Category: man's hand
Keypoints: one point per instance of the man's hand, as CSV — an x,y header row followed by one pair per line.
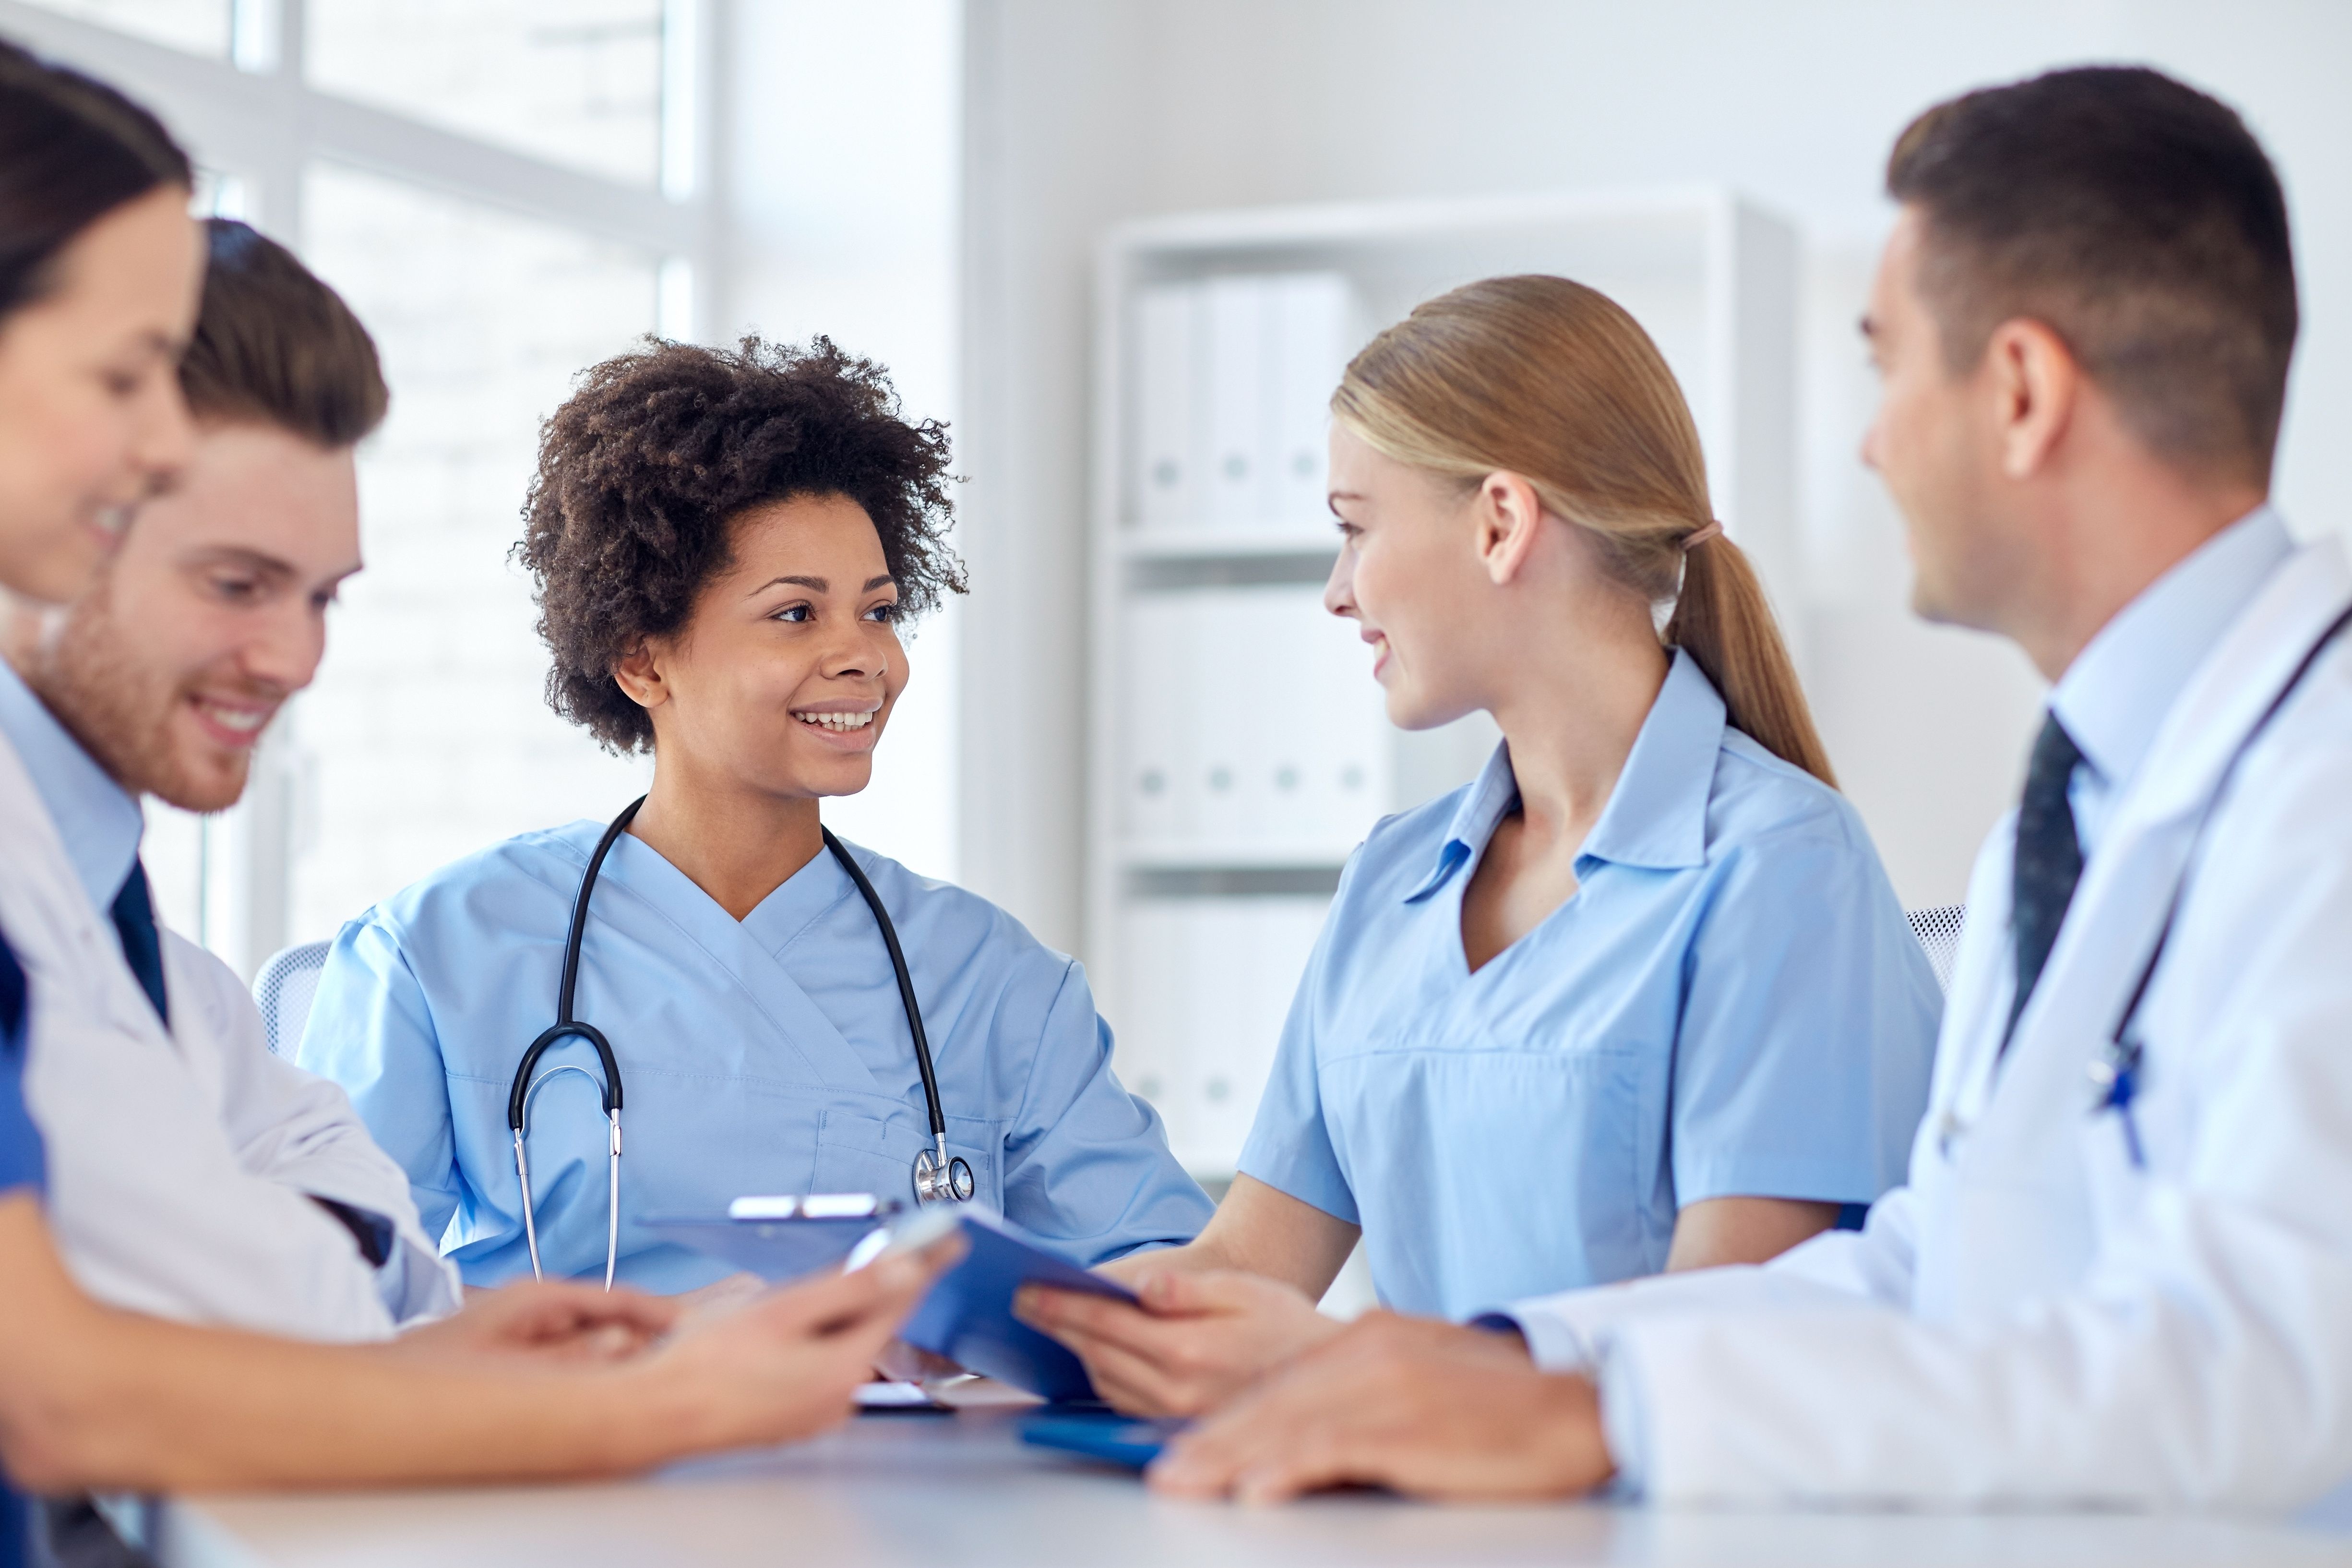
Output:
x,y
1199,1338
553,1320
1419,1407
785,1365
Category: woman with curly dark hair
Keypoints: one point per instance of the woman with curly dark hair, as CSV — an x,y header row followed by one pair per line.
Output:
x,y
724,544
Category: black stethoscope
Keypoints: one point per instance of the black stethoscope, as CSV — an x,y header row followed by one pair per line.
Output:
x,y
939,1177
2115,1071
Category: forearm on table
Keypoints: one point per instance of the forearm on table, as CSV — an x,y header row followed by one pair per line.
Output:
x,y
1258,1230
212,1412
1714,1232
100,1398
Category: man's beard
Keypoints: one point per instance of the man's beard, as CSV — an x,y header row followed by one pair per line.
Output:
x,y
121,711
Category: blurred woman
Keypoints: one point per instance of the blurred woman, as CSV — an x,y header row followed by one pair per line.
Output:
x,y
1640,997
99,269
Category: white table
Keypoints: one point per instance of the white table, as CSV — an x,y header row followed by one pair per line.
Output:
x,y
934,1492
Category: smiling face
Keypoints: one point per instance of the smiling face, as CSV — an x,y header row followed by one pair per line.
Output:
x,y
90,417
212,615
1410,577
782,679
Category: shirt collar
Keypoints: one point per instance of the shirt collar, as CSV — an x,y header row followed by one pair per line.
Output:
x,y
1656,816
98,819
2113,698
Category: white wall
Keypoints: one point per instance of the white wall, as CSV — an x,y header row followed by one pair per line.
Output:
x,y
837,155
1082,113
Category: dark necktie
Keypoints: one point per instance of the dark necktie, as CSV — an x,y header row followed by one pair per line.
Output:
x,y
134,922
2049,860
11,994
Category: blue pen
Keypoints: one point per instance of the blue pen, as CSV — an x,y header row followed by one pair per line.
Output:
x,y
2117,1075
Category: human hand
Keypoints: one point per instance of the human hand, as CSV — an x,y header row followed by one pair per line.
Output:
x,y
552,1319
902,1363
1421,1407
784,1365
1199,1339
720,1297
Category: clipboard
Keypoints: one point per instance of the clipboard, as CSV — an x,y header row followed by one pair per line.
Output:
x,y
781,1238
967,1315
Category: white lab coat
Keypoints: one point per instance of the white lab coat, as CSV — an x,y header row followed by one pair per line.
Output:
x,y
2034,1320
178,1162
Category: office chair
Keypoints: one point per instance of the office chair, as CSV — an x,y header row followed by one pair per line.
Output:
x,y
284,990
1938,927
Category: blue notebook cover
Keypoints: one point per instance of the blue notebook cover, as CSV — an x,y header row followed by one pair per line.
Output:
x,y
968,1316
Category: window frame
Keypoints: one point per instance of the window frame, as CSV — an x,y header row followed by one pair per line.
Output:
x,y
253,117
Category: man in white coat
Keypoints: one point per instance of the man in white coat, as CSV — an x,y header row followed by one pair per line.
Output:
x,y
2121,1272
192,1174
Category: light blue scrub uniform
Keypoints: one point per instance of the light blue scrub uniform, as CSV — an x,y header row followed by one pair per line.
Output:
x,y
1730,1005
768,1057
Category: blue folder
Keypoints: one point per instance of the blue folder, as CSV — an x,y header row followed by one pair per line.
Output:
x,y
968,1316
1131,1442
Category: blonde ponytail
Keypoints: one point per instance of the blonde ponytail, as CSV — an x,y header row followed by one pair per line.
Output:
x,y
1554,381
1722,620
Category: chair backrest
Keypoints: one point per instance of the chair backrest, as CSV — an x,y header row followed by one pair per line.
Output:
x,y
1938,927
284,990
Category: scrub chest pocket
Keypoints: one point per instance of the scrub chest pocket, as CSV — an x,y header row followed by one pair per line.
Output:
x,y
1537,1154
866,1154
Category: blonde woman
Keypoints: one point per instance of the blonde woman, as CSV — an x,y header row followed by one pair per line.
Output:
x,y
1638,998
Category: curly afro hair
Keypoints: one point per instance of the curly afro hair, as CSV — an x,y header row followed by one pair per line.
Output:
x,y
644,468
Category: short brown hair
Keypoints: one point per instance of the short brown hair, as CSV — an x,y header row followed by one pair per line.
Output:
x,y
275,345
646,468
2139,220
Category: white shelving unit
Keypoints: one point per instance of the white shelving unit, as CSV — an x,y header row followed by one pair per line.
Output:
x,y
1239,747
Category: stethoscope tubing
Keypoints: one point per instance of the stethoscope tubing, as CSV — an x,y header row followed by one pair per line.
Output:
x,y
949,1176
906,992
2116,1072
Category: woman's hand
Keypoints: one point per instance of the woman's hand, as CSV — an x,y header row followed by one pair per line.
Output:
x,y
552,1320
902,1363
1198,1339
721,1296
785,1365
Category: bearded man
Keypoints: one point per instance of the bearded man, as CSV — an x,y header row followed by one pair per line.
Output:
x,y
192,1174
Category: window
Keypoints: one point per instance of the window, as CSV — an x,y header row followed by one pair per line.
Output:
x,y
199,27
573,82
425,734
506,190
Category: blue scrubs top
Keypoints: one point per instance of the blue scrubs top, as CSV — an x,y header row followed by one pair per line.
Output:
x,y
1730,1005
767,1057
20,1166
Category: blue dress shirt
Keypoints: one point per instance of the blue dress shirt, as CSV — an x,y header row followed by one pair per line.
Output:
x,y
1730,1005
98,820
2114,697
768,1055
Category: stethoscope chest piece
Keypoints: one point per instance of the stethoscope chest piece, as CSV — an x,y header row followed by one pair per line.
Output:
x,y
942,1177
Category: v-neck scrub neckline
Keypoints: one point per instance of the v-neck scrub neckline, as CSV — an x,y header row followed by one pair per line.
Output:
x,y
1731,1004
766,1055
